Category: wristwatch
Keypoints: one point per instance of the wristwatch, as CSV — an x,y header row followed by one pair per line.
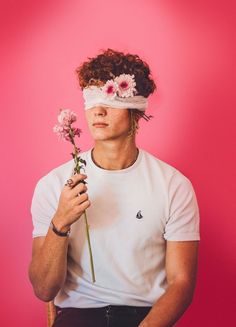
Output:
x,y
63,234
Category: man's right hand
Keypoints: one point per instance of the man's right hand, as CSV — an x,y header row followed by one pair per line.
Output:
x,y
73,202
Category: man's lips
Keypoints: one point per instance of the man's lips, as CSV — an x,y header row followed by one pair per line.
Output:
x,y
100,124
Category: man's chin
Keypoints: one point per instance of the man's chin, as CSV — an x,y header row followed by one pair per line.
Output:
x,y
104,138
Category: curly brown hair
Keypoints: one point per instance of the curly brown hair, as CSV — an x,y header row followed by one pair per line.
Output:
x,y
111,63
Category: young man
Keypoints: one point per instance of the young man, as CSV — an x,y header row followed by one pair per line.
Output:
x,y
143,215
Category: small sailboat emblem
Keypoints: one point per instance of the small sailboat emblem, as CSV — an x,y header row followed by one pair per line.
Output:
x,y
139,215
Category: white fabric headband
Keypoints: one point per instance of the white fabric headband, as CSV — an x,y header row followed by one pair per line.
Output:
x,y
116,93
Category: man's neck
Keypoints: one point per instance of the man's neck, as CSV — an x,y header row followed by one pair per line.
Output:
x,y
114,155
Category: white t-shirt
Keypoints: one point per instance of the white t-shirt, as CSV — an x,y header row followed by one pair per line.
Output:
x,y
133,212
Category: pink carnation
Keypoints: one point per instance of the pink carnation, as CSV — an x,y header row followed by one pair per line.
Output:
x,y
62,132
66,117
64,129
76,131
67,133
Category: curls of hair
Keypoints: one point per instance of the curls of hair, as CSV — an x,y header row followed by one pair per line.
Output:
x,y
111,63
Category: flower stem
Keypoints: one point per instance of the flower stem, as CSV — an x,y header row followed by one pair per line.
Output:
x,y
89,245
77,169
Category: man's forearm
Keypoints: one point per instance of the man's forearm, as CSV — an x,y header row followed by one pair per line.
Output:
x,y
48,267
170,306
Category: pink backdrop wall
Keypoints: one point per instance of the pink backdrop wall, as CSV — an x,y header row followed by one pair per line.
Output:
x,y
189,46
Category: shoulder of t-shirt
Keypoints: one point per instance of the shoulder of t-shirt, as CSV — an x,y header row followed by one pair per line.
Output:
x,y
167,169
59,174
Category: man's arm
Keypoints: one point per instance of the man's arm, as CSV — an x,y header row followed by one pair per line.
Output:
x,y
48,267
181,270
47,270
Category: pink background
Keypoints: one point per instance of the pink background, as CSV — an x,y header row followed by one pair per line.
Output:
x,y
189,46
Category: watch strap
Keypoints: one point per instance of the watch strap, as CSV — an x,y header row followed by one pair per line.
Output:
x,y
57,232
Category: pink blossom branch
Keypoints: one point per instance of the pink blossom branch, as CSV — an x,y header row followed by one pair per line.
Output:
x,y
67,133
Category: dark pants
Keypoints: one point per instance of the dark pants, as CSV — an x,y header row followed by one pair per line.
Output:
x,y
109,316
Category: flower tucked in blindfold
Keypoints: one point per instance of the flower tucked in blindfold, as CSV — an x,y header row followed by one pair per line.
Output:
x,y
122,86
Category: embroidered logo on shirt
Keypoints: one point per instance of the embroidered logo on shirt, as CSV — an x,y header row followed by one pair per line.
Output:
x,y
139,215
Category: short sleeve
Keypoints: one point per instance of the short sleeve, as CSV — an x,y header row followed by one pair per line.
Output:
x,y
184,221
44,204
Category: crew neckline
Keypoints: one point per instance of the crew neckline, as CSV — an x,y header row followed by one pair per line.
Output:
x,y
116,171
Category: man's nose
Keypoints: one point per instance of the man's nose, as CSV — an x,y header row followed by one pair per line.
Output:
x,y
100,111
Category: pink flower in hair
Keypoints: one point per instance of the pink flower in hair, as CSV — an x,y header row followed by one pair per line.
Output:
x,y
110,89
126,85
